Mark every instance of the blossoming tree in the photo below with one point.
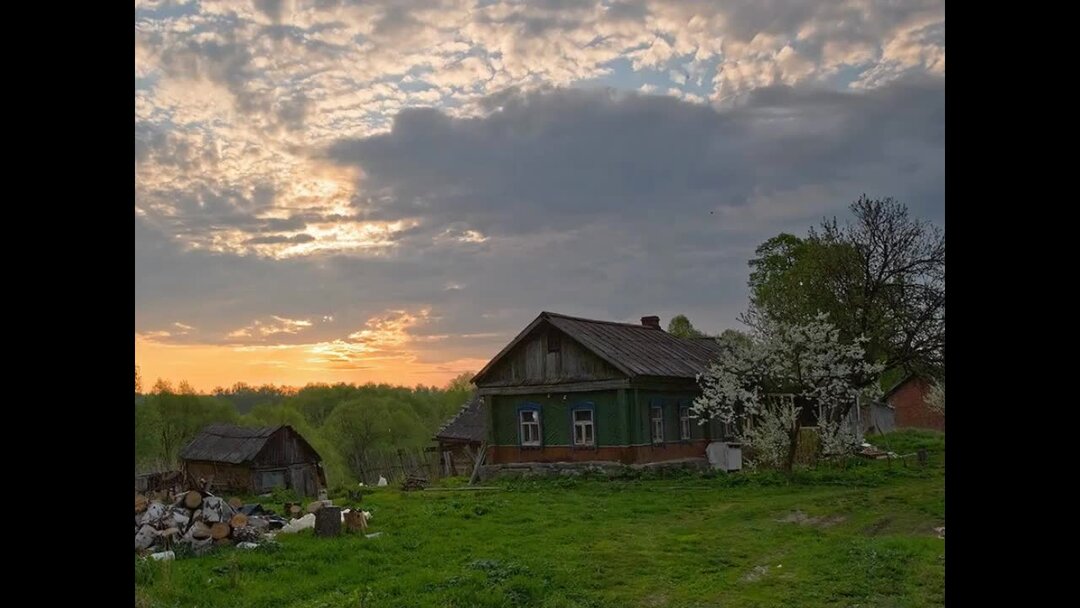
(761, 386)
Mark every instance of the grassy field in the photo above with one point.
(861, 535)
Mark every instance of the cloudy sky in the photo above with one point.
(338, 190)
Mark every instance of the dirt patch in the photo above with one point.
(875, 528)
(755, 574)
(655, 601)
(798, 517)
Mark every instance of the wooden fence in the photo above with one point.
(395, 465)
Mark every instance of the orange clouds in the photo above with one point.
(382, 351)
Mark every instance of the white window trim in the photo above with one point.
(652, 424)
(685, 430)
(522, 424)
(590, 423)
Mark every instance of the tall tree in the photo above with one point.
(881, 275)
(681, 327)
(138, 381)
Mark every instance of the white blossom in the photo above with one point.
(806, 364)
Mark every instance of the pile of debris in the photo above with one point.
(867, 450)
(413, 482)
(199, 520)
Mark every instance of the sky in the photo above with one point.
(346, 191)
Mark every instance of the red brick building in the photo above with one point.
(908, 400)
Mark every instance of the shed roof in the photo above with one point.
(228, 443)
(635, 350)
(469, 424)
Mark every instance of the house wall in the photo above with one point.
(304, 478)
(222, 475)
(910, 407)
(621, 423)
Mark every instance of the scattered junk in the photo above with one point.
(382, 481)
(869, 451)
(724, 455)
(413, 482)
(373, 535)
(199, 521)
(304, 523)
(940, 532)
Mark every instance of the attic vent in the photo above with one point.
(553, 341)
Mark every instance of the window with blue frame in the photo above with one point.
(584, 426)
(529, 425)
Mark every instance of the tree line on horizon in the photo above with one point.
(347, 424)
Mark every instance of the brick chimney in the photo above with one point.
(653, 322)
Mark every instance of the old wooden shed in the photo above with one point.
(461, 437)
(254, 460)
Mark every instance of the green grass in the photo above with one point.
(852, 534)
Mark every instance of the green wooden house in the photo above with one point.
(572, 389)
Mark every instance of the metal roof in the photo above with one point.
(635, 350)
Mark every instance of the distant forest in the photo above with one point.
(346, 423)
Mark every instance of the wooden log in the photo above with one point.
(154, 513)
(220, 530)
(238, 520)
(168, 537)
(294, 511)
(145, 537)
(328, 521)
(199, 531)
(214, 509)
(245, 534)
(235, 503)
(141, 502)
(355, 520)
(193, 500)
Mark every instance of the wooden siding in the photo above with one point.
(530, 363)
(284, 448)
(622, 426)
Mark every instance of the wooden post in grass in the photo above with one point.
(479, 461)
(328, 521)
